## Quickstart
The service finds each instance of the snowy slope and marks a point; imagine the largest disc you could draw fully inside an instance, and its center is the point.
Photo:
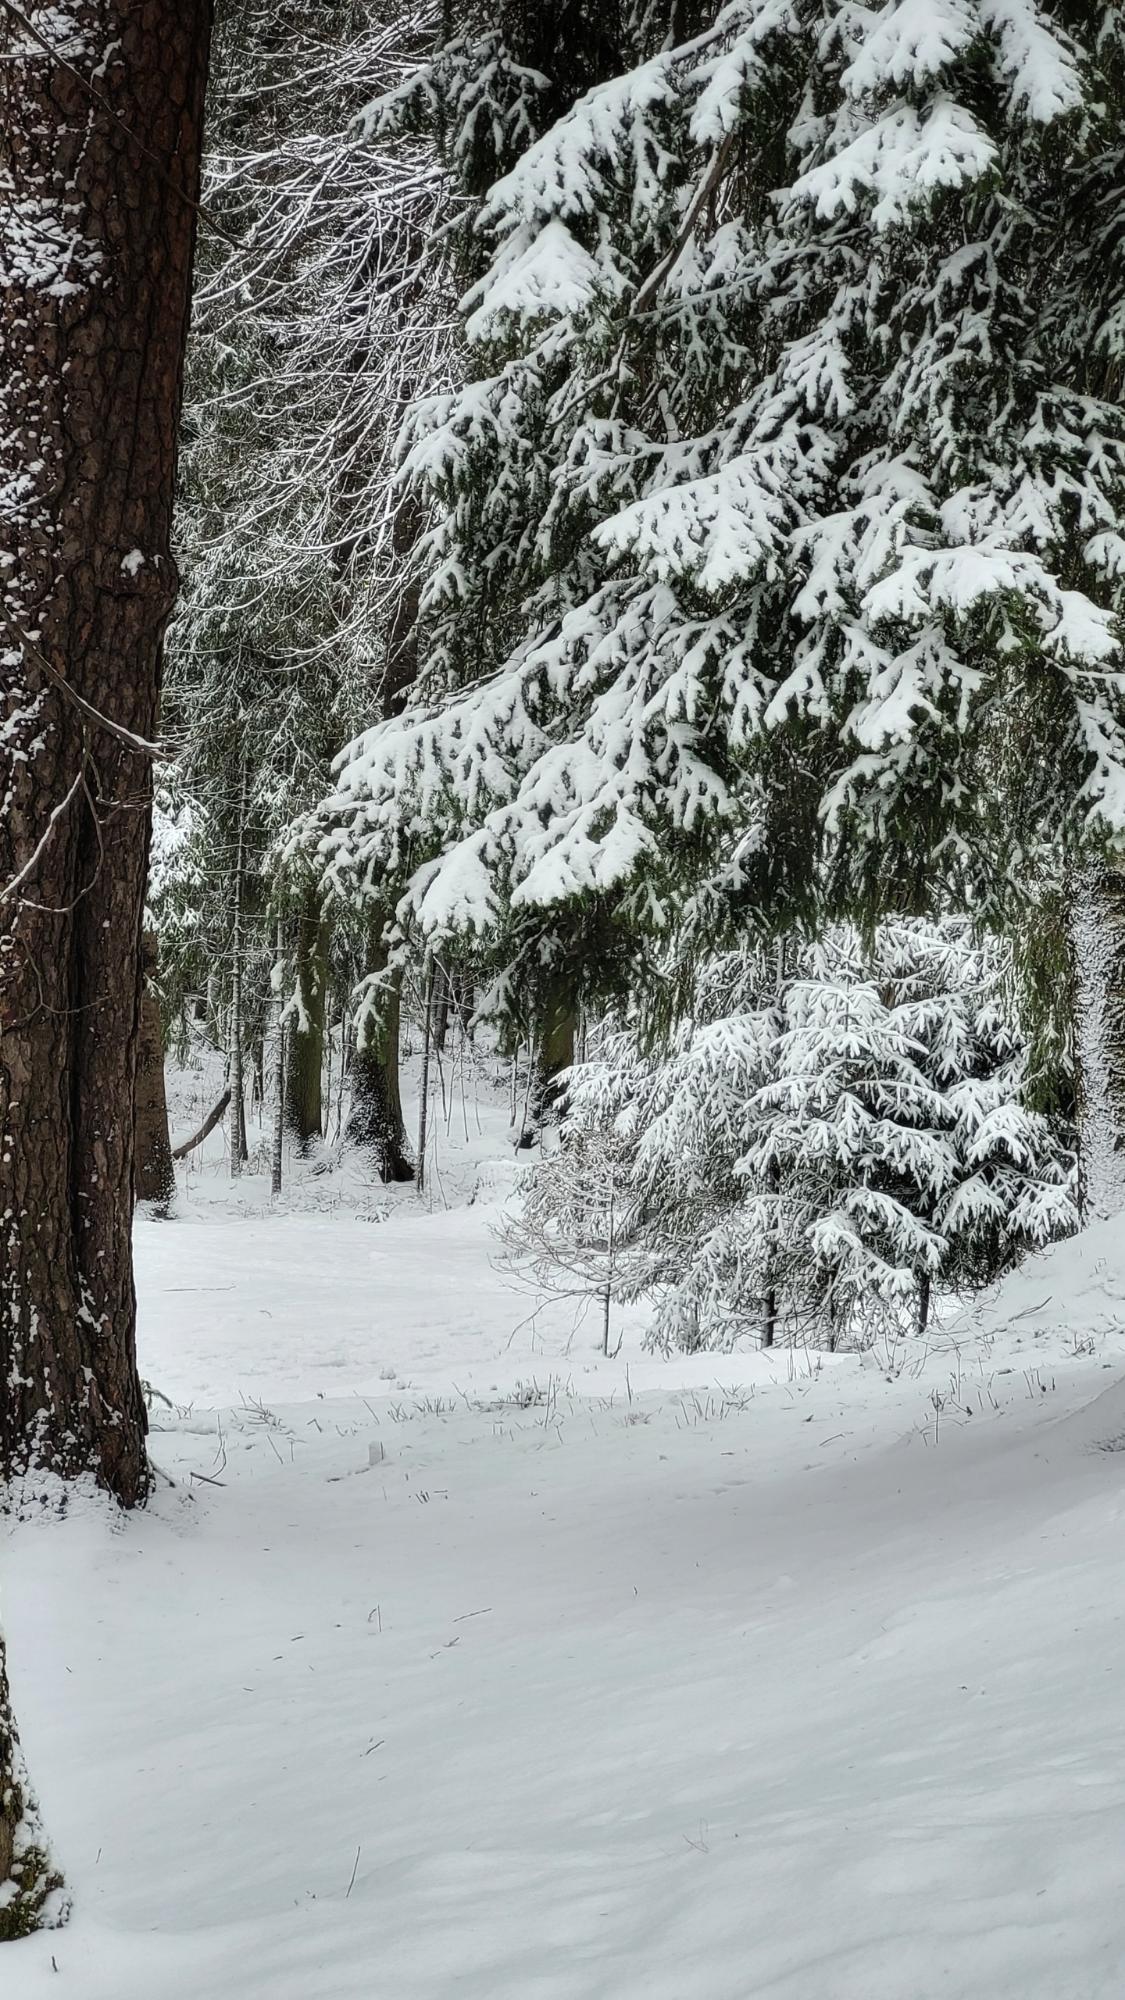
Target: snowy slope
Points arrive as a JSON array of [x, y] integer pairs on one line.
[[741, 1678]]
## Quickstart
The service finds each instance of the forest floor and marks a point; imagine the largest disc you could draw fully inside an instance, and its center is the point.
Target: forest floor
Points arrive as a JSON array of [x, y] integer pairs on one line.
[[452, 1659]]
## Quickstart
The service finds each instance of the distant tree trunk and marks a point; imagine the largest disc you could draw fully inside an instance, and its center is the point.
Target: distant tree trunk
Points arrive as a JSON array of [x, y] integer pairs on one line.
[[155, 1175], [556, 1046], [442, 998], [1098, 934], [30, 1887], [277, 1147], [375, 1121], [464, 1000], [239, 1151], [769, 1318], [305, 1038], [99, 160], [424, 1081], [554, 1053]]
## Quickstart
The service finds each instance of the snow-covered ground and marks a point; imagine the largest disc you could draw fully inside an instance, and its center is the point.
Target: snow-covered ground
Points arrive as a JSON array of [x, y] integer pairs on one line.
[[453, 1659]]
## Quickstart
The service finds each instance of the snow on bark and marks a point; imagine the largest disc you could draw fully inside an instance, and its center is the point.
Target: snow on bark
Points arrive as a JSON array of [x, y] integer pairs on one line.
[[31, 1888], [1098, 930], [94, 281]]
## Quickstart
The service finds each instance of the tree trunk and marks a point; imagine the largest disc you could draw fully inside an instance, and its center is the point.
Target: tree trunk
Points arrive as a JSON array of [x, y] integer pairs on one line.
[[424, 1080], [464, 1000], [556, 1046], [1098, 934], [239, 1150], [769, 1318], [154, 1174], [31, 1896], [442, 998], [554, 1053], [99, 160], [305, 1038], [375, 1121], [277, 1146]]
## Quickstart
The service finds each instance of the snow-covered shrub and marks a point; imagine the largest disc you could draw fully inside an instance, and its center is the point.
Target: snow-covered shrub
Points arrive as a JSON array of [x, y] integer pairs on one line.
[[828, 1144], [577, 1233]]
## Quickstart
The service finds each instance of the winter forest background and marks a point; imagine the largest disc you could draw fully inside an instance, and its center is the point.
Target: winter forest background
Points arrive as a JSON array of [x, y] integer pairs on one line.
[[650, 529], [631, 710]]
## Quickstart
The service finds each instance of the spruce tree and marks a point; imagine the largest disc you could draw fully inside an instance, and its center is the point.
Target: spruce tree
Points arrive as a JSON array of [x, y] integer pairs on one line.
[[836, 1138], [777, 551]]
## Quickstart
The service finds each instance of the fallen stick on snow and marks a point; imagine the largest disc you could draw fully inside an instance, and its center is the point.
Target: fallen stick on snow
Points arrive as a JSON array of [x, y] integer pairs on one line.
[[207, 1127]]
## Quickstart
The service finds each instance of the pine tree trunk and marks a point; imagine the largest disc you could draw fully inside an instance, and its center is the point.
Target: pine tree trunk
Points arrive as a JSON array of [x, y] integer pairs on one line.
[[93, 316], [554, 1053], [30, 1887], [278, 1142], [556, 1046], [1098, 932], [305, 1039], [464, 1000], [239, 1150], [155, 1175], [424, 1081], [769, 1318], [442, 997], [375, 1122]]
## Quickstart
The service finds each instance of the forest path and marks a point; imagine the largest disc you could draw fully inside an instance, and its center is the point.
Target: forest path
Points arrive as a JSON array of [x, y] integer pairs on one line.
[[777, 1683]]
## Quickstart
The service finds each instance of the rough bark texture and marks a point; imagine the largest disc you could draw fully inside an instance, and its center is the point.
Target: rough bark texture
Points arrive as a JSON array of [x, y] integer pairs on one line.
[[30, 1887], [305, 1029], [442, 1003], [1098, 930], [554, 1053], [154, 1174], [375, 1121], [97, 155], [239, 1151]]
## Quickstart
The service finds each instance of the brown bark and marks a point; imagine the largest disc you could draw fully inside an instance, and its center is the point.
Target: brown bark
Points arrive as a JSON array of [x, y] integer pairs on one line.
[[30, 1887], [1098, 947], [442, 1001], [375, 1121], [554, 1053], [304, 1106], [99, 158], [153, 1172]]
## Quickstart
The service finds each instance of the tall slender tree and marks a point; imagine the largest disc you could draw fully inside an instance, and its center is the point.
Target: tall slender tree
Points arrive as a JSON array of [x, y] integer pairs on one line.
[[101, 106]]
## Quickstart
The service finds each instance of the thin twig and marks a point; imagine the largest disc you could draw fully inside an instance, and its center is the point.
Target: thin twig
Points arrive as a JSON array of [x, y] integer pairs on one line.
[[141, 744], [10, 888], [99, 97]]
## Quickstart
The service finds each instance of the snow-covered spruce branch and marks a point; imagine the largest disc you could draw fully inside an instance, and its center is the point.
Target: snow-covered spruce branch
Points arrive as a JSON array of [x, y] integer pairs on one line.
[[832, 540]]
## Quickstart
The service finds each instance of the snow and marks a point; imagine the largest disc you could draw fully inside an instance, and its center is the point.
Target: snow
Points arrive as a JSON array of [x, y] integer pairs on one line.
[[460, 1659]]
